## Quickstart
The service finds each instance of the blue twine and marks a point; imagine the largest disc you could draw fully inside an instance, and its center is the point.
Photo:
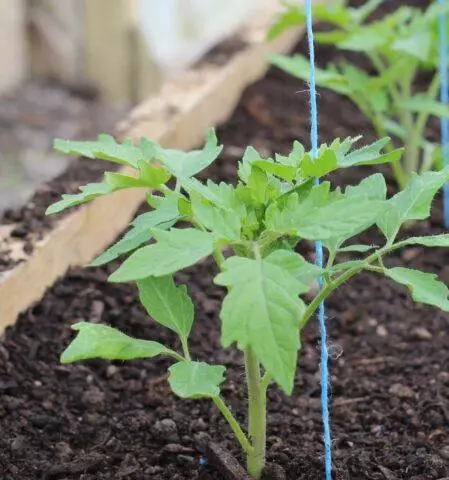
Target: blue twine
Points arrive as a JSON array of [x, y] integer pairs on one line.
[[319, 256], [444, 96]]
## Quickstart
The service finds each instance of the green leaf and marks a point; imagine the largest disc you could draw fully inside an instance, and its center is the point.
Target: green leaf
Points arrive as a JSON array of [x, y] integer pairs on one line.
[[223, 222], [357, 248], [296, 265], [299, 67], [294, 158], [430, 241], [371, 155], [421, 103], [163, 218], [196, 379], [286, 172], [417, 44], [412, 203], [105, 148], [318, 167], [367, 39], [424, 287], [101, 341], [372, 188], [151, 175], [168, 304], [175, 249], [250, 156], [343, 266], [186, 164], [291, 17], [262, 311], [316, 218], [88, 192]]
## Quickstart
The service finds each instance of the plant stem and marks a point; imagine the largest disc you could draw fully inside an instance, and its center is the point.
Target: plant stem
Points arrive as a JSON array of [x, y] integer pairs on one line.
[[334, 284], [227, 414], [185, 348], [219, 257], [257, 415]]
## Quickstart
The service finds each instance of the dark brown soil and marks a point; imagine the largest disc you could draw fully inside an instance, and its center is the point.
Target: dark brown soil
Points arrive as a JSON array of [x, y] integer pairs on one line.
[[105, 421]]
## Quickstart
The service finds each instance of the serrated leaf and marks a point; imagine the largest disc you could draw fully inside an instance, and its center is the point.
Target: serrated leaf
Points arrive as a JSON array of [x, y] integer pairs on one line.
[[429, 241], [325, 163], [244, 170], [262, 311], [101, 341], [372, 188], [168, 304], [88, 192], [174, 250], [225, 223], [413, 203], [105, 148], [293, 159], [296, 265], [196, 379], [319, 219], [286, 172], [186, 164], [163, 218], [424, 287], [371, 155]]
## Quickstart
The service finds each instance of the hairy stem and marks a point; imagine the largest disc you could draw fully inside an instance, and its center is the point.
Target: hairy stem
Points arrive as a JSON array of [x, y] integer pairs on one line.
[[227, 414], [257, 415], [334, 284]]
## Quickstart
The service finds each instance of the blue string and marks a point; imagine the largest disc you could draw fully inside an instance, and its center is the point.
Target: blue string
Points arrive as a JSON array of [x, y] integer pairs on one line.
[[319, 256], [444, 95]]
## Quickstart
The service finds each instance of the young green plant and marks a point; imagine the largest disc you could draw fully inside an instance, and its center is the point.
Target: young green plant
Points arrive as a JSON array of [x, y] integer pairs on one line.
[[398, 47], [251, 229]]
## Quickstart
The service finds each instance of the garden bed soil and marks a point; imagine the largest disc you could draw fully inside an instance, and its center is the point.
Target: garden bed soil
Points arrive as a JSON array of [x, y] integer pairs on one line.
[[101, 420]]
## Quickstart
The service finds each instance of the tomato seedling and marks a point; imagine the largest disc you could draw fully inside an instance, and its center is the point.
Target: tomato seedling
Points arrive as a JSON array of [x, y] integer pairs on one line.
[[398, 47], [251, 229]]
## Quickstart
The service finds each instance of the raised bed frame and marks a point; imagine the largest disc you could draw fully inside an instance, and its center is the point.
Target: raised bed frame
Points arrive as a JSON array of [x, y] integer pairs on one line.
[[177, 117]]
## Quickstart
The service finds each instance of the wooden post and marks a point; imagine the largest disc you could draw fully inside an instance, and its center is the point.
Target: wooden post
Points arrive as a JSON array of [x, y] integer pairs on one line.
[[12, 43], [108, 28]]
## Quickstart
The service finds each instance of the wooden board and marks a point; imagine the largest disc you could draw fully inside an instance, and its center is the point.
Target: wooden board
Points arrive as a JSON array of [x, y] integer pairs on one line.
[[178, 118], [13, 54]]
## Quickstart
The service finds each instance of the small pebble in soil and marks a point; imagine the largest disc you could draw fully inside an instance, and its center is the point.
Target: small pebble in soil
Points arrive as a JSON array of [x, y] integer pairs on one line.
[[381, 331], [167, 430], [401, 391], [93, 397], [421, 333], [63, 451]]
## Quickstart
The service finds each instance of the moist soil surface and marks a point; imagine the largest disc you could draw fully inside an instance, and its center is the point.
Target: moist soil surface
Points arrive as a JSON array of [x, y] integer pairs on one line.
[[110, 420]]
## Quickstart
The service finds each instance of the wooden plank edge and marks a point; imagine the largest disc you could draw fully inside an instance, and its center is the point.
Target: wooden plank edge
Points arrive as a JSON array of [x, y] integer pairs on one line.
[[177, 118]]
